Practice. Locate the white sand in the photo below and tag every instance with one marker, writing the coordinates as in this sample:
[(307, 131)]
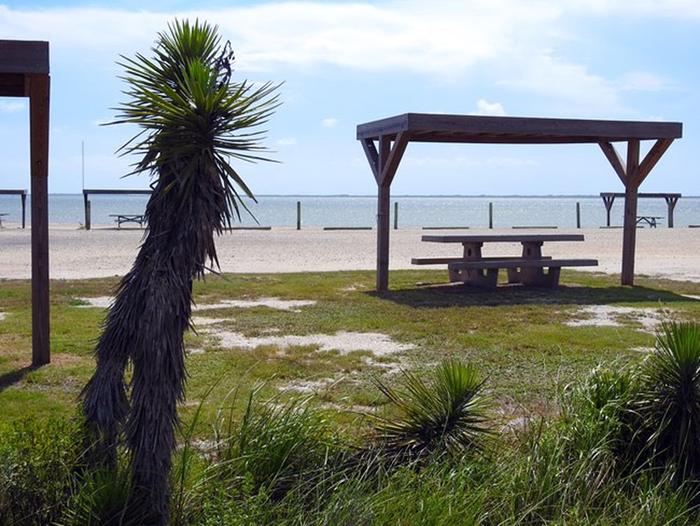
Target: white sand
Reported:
[(342, 341), (613, 316), (101, 252)]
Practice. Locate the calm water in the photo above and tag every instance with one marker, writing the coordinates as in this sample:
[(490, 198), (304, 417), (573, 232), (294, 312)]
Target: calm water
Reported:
[(361, 211)]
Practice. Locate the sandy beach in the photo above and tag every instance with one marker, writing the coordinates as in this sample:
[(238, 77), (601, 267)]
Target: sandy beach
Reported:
[(101, 252)]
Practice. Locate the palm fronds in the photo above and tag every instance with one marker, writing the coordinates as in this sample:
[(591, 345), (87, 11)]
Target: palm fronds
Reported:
[(443, 414), (669, 403)]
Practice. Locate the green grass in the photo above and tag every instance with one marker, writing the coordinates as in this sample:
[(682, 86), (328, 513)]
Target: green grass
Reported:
[(516, 337)]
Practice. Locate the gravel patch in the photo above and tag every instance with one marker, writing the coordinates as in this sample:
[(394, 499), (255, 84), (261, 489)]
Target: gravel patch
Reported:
[(99, 302), (612, 316), (202, 321), (307, 386), (271, 303), (2, 316), (343, 342)]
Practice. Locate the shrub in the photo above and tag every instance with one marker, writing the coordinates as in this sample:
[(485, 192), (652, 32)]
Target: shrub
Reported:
[(38, 460), (669, 402), (444, 414)]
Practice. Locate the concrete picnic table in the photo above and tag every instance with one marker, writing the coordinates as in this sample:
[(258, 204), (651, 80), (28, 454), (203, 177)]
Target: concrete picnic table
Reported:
[(128, 218), (528, 268)]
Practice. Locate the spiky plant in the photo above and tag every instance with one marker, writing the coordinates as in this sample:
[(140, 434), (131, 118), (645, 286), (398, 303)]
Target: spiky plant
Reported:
[(194, 120), (670, 399), (443, 414)]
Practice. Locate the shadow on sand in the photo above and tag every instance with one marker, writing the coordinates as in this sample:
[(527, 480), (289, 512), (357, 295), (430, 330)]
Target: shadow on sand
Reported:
[(449, 295)]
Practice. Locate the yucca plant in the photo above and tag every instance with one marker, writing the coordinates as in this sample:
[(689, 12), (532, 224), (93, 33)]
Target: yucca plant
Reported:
[(669, 403), (444, 414), (193, 121)]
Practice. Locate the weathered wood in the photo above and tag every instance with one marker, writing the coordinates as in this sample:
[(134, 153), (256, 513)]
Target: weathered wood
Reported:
[(445, 261), (490, 215), (39, 152), (24, 57), (578, 215), (372, 156), (383, 205), (502, 238), (652, 157), (524, 263), (629, 233), (298, 215), (671, 202), (396, 215), (393, 159), (468, 128), (608, 201), (614, 160)]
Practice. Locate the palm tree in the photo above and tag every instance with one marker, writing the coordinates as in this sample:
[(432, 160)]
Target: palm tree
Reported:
[(194, 119)]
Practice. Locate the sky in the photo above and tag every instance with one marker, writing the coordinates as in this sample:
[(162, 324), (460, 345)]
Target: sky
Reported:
[(345, 63)]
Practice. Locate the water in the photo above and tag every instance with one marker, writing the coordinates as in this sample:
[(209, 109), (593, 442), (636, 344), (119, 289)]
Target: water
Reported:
[(280, 211)]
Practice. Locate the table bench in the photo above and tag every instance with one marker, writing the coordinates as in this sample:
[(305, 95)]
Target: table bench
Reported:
[(649, 220), (528, 269), (128, 218), (1, 216)]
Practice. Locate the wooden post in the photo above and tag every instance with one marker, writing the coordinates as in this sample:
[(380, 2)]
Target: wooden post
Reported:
[(608, 200), (298, 215), (578, 215), (490, 215), (396, 215), (383, 204), (86, 204), (670, 205), (630, 219), (24, 210), (39, 86)]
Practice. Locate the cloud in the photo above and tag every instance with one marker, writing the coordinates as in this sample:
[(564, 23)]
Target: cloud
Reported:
[(329, 122), (287, 141), (13, 106), (509, 42), (484, 107)]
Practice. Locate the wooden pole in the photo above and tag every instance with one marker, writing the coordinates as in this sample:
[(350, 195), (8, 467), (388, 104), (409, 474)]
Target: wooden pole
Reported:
[(670, 205), (396, 215), (39, 86), (298, 215), (383, 205), (630, 219), (578, 215), (86, 204), (24, 210), (490, 215)]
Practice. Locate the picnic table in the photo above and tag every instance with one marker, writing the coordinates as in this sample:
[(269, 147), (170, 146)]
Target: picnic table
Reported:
[(128, 218), (649, 220), (528, 268), (1, 216)]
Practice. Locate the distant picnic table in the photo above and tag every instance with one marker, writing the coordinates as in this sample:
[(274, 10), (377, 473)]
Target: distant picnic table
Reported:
[(128, 218), (528, 268), (649, 220)]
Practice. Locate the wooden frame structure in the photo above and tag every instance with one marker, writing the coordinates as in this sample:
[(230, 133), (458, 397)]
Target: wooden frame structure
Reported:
[(24, 72), (385, 141), (104, 191), (671, 201), (23, 198)]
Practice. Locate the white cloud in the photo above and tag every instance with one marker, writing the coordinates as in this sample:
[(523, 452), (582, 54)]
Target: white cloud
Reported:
[(507, 39), (12, 106), (484, 107), (329, 122), (287, 141)]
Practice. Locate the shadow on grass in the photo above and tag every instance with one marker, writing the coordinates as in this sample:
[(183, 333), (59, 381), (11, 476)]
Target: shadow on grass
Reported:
[(448, 295), (13, 377)]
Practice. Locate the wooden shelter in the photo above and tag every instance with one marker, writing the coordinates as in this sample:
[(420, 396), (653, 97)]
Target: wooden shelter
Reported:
[(104, 191), (23, 200), (24, 72), (671, 201), (385, 141)]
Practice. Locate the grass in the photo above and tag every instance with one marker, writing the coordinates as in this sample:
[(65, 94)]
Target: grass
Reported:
[(516, 337)]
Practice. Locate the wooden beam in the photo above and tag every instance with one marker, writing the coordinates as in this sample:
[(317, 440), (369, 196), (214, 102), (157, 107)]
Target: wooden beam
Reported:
[(372, 156), (394, 158), (671, 201), (652, 157), (630, 218), (614, 159), (39, 87), (383, 206)]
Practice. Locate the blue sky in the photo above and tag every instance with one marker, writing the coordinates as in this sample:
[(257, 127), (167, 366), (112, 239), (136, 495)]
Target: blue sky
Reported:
[(345, 63)]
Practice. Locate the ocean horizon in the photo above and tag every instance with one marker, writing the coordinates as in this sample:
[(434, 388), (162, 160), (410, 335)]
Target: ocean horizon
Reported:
[(348, 210)]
